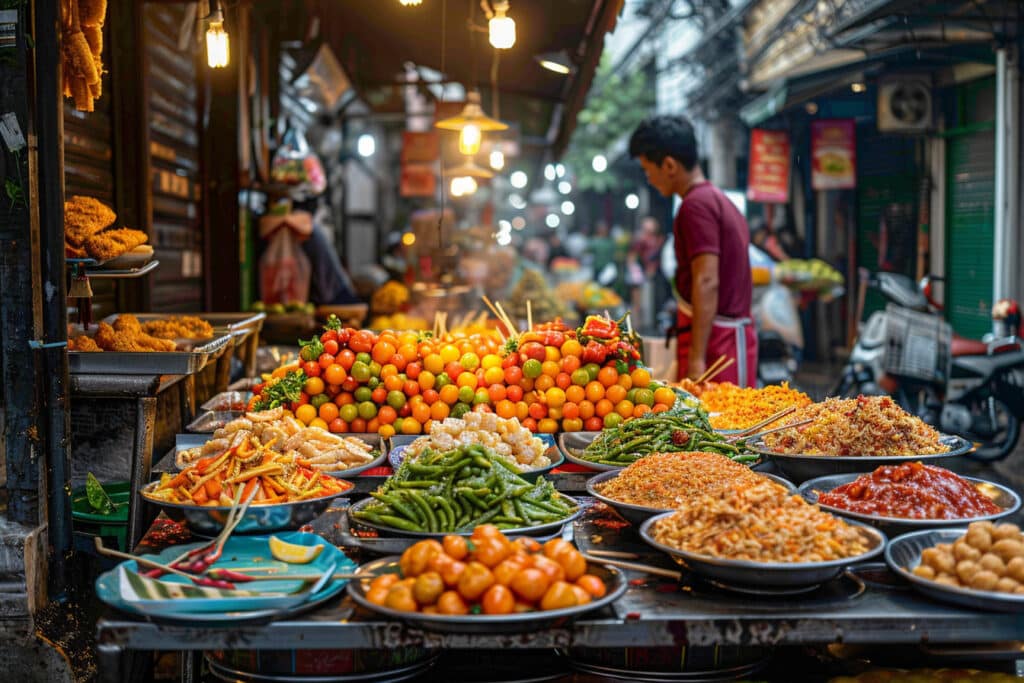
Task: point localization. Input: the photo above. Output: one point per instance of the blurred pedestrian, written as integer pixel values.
(713, 276)
(644, 265)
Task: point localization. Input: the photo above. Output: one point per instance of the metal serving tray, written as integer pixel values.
(147, 362)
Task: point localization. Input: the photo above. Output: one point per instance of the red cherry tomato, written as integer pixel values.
(326, 360)
(311, 368)
(331, 347)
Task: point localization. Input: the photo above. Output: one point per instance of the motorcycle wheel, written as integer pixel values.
(1005, 439)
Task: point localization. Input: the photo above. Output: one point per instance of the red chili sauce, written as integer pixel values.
(913, 491)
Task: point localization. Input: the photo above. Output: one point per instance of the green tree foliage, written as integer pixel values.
(615, 107)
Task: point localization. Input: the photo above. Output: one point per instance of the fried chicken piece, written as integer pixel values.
(113, 243)
(74, 252)
(179, 327)
(83, 343)
(127, 336)
(84, 217)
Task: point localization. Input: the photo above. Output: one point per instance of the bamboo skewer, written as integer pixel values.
(614, 554)
(722, 368)
(758, 435)
(141, 561)
(646, 568)
(508, 321)
(711, 370)
(529, 314)
(764, 423)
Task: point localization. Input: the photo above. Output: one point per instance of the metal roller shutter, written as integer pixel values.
(176, 225)
(970, 232)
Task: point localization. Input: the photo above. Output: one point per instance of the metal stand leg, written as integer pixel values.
(142, 460)
(191, 666)
(112, 664)
(187, 387)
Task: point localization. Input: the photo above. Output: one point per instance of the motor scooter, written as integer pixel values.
(962, 386)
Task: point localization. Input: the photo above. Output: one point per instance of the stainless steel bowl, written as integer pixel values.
(614, 580)
(904, 554)
(397, 455)
(538, 530)
(773, 574)
(375, 442)
(893, 526)
(209, 520)
(800, 468)
(638, 514)
(572, 445)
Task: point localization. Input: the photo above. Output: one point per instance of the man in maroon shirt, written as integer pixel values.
(711, 238)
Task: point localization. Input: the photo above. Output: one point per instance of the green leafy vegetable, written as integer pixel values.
(284, 391)
(99, 501)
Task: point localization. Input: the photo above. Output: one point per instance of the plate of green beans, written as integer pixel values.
(668, 432)
(453, 492)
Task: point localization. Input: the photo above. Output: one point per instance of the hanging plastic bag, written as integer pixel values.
(295, 164)
(284, 269)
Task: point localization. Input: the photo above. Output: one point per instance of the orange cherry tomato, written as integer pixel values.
(486, 531)
(530, 584)
(451, 602)
(416, 557)
(452, 572)
(384, 581)
(549, 567)
(428, 588)
(490, 552)
(526, 545)
(593, 585)
(573, 563)
(555, 547)
(377, 595)
(582, 596)
(507, 570)
(456, 546)
(498, 600)
(400, 598)
(559, 596)
(475, 580)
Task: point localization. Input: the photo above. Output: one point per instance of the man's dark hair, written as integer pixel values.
(658, 137)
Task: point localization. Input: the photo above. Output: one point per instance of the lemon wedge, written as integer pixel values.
(292, 553)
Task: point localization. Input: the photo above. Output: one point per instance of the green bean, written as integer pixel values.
(431, 518)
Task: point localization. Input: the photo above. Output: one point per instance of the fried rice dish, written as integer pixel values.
(758, 522)
(863, 426)
(669, 480)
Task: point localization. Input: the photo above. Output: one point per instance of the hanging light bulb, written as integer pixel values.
(216, 39)
(463, 186)
(410, 3)
(497, 160)
(502, 29)
(469, 139)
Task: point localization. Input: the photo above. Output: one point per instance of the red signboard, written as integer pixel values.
(769, 166)
(833, 154)
(420, 148)
(418, 180)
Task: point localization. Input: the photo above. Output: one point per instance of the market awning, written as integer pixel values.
(374, 46)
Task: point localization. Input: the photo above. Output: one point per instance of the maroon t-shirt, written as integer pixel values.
(708, 223)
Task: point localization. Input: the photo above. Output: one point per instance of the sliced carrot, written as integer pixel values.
(250, 486)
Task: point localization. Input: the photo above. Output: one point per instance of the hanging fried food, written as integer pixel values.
(84, 217)
(94, 36)
(74, 252)
(113, 243)
(77, 49)
(179, 327)
(92, 12)
(83, 343)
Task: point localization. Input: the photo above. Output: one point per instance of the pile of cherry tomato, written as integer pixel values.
(400, 382)
(487, 574)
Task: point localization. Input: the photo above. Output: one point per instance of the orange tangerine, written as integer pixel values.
(594, 391)
(641, 378)
(615, 393)
(607, 376)
(624, 408)
(571, 347)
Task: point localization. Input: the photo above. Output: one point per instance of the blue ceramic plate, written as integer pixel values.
(240, 553)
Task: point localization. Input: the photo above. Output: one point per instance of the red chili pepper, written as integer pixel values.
(228, 575)
(153, 573)
(594, 352)
(599, 328)
(213, 583)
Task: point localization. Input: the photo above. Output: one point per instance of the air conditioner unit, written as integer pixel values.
(904, 104)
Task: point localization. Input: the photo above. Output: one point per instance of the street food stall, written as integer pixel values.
(475, 474)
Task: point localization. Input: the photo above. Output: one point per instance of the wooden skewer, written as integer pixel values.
(141, 561)
(498, 314)
(529, 315)
(646, 568)
(721, 368)
(303, 577)
(791, 425)
(710, 370)
(764, 423)
(508, 321)
(614, 554)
